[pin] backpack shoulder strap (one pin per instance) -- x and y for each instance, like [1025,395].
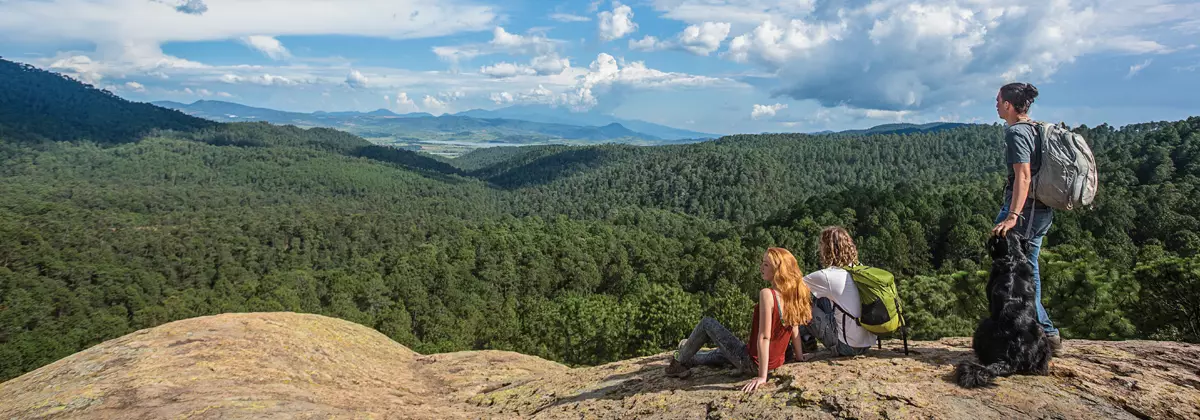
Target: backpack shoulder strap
[842,325]
[1040,130]
[850,270]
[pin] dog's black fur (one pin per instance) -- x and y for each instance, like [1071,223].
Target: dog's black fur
[1010,340]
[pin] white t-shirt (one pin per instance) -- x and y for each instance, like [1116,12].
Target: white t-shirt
[837,285]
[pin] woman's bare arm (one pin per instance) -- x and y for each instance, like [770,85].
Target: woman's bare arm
[765,305]
[797,343]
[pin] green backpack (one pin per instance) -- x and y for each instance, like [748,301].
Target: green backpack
[881,309]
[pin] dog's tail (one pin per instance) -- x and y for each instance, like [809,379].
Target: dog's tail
[974,375]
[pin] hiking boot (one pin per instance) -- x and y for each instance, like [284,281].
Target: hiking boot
[1055,343]
[678,370]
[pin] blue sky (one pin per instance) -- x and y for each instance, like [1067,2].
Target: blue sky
[719,66]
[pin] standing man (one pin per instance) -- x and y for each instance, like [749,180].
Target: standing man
[1031,218]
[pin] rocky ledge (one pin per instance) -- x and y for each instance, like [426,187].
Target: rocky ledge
[287,365]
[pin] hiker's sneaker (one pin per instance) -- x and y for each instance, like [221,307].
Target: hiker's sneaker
[809,345]
[1055,343]
[678,370]
[679,350]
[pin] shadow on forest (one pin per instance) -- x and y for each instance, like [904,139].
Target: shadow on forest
[546,169]
[405,158]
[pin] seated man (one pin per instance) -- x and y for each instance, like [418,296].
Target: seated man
[835,298]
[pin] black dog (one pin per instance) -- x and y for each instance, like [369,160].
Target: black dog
[1010,340]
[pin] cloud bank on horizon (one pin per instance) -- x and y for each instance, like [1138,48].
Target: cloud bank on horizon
[720,66]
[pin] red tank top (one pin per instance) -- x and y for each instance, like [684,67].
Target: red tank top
[780,335]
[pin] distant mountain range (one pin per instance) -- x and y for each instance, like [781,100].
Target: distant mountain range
[225,111]
[515,124]
[553,115]
[902,128]
[524,125]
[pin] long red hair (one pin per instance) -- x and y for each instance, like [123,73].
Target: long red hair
[789,279]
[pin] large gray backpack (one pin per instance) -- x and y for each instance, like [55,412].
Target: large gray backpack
[1067,179]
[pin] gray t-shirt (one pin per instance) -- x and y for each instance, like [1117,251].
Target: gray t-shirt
[1021,146]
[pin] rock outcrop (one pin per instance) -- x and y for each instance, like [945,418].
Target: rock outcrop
[262,365]
[286,365]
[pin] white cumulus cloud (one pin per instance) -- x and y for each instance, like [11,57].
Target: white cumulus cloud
[504,70]
[606,74]
[895,56]
[135,86]
[538,95]
[128,34]
[775,45]
[269,46]
[133,57]
[647,43]
[356,79]
[766,110]
[272,80]
[702,39]
[502,98]
[433,105]
[606,80]
[617,23]
[119,20]
[503,42]
[549,64]
[542,65]
[405,105]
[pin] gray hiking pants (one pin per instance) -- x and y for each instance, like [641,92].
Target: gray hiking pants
[825,326]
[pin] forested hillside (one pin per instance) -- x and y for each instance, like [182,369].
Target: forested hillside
[37,104]
[577,254]
[743,178]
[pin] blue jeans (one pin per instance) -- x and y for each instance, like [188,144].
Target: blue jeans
[1034,233]
[730,349]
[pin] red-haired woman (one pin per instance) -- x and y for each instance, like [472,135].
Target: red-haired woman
[781,309]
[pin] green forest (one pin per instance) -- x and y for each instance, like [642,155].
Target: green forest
[117,216]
